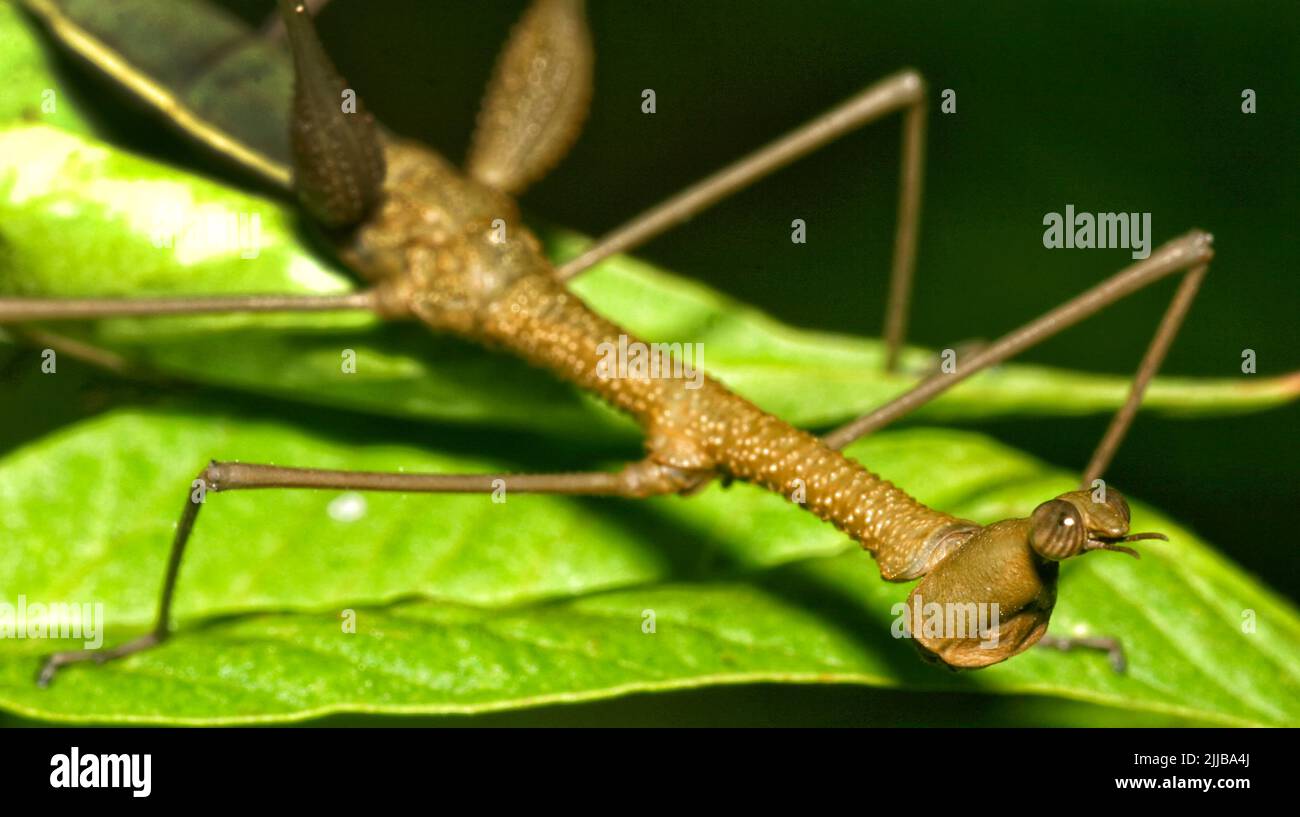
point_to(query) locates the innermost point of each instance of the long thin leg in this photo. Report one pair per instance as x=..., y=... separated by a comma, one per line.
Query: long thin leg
x=20, y=310
x=338, y=175
x=75, y=349
x=902, y=91
x=1190, y=251
x=909, y=225
x=637, y=480
x=1111, y=646
x=1155, y=355
x=16, y=310
x=1193, y=249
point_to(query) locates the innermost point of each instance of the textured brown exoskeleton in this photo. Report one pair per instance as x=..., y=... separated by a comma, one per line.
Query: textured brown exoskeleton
x=447, y=248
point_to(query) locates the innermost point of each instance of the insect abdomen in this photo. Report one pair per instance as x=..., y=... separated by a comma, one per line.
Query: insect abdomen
x=458, y=258
x=697, y=424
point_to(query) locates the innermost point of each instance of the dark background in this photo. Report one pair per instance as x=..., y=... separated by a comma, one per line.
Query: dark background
x=1111, y=106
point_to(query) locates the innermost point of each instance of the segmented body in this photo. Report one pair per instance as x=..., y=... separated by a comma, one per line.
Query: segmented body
x=437, y=248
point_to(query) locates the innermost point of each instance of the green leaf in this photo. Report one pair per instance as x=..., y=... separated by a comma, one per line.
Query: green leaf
x=121, y=225
x=32, y=90
x=465, y=605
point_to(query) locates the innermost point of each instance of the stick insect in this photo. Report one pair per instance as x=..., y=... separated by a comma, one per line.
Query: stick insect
x=446, y=247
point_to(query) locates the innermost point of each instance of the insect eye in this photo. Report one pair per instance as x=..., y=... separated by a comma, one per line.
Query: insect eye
x=1056, y=530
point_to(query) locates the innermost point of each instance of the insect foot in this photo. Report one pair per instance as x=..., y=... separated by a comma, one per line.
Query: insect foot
x=1111, y=646
x=213, y=478
x=59, y=660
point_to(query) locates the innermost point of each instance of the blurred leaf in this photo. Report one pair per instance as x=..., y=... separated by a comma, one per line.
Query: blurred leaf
x=83, y=218
x=32, y=91
x=465, y=605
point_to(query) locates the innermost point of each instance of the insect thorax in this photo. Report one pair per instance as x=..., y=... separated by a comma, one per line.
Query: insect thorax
x=439, y=244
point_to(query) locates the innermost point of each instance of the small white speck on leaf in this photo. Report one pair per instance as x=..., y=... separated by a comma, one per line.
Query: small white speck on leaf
x=347, y=507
